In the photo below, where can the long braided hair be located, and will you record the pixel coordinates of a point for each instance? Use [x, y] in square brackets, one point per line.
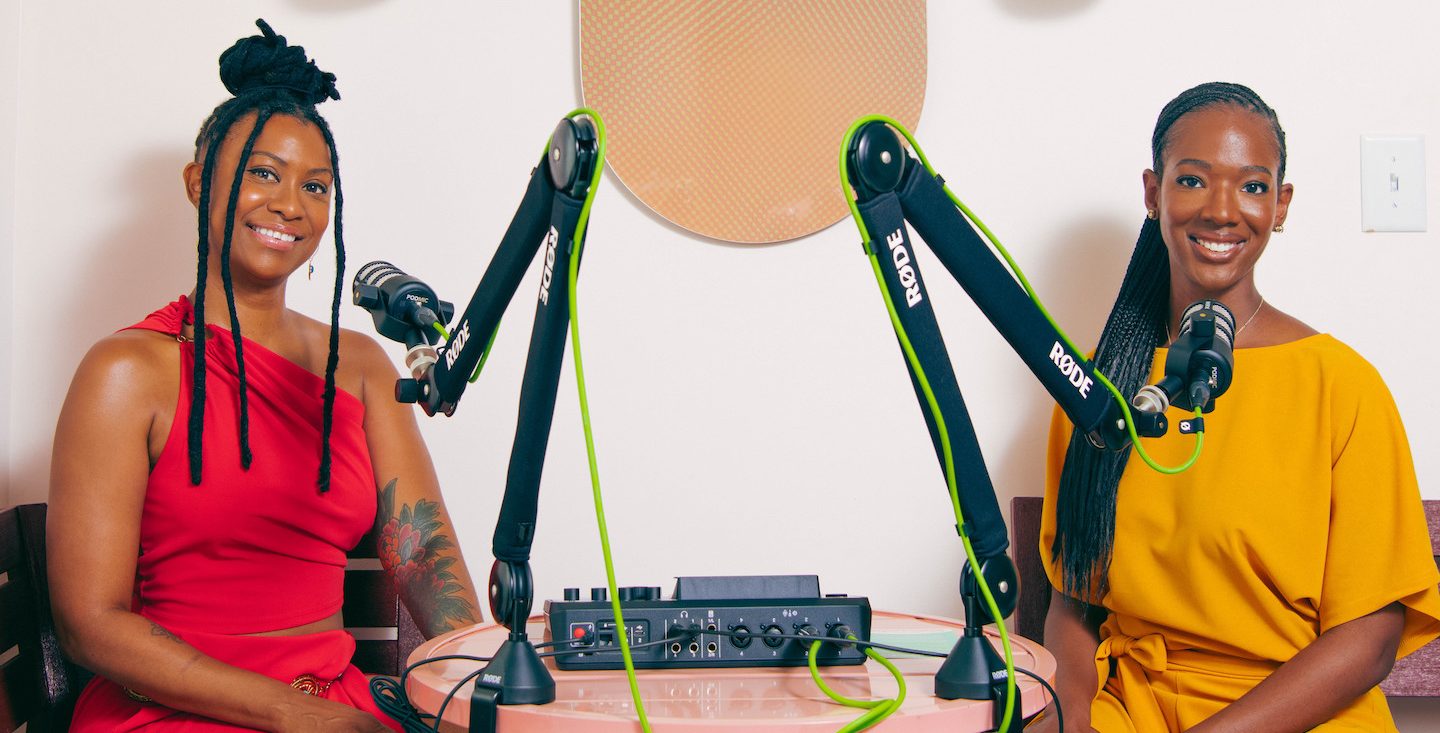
[1085, 510]
[268, 77]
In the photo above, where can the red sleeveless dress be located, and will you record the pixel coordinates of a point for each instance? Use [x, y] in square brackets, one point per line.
[248, 551]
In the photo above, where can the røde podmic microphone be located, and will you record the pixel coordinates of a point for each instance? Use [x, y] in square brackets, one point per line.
[400, 304]
[1200, 364]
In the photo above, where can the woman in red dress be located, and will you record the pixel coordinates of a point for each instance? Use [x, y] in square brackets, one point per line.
[207, 485]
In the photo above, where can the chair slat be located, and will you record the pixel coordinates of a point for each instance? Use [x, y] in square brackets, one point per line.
[366, 547]
[370, 599]
[1034, 585]
[378, 656]
[15, 623]
[9, 541]
[1432, 517]
[19, 697]
[1418, 674]
[409, 634]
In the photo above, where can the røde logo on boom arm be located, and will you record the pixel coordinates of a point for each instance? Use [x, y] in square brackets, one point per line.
[1072, 369]
[552, 238]
[452, 349]
[908, 278]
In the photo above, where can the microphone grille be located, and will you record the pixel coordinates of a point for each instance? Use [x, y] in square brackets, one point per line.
[376, 273]
[1224, 319]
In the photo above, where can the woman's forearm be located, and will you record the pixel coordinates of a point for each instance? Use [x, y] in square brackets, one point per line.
[144, 657]
[1316, 684]
[1072, 637]
[422, 556]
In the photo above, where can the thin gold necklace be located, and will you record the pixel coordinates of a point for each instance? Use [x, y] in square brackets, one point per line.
[1237, 331]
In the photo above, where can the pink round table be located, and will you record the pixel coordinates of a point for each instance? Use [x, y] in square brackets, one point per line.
[754, 698]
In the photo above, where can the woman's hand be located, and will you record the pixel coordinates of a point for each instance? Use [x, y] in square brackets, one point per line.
[1345, 661]
[1048, 723]
[315, 715]
[1072, 636]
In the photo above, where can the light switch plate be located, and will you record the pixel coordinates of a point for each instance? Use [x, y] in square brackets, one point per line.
[1392, 183]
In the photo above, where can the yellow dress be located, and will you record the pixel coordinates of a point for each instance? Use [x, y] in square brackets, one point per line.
[1301, 514]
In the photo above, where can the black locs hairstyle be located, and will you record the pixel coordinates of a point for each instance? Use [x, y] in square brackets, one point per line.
[1085, 510]
[268, 77]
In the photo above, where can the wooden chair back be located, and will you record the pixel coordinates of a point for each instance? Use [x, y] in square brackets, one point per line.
[38, 686]
[384, 632]
[1029, 618]
[1418, 674]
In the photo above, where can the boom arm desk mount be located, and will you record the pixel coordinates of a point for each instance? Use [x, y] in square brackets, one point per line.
[553, 214]
[892, 188]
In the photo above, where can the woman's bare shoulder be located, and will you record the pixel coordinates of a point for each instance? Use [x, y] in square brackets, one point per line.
[366, 351]
[362, 359]
[372, 366]
[133, 359]
[126, 384]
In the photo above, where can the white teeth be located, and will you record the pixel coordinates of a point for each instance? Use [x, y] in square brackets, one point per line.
[271, 233]
[1218, 247]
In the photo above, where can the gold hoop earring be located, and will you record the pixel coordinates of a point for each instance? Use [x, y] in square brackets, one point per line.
[1151, 214]
[1278, 228]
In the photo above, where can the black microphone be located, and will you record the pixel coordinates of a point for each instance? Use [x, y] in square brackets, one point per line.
[400, 304]
[1200, 364]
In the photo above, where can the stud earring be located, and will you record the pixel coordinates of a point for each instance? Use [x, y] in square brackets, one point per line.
[1278, 228]
[1151, 214]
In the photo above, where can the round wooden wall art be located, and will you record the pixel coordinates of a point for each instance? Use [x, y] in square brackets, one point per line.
[725, 116]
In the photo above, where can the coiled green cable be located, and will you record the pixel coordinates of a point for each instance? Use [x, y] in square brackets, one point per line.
[876, 710]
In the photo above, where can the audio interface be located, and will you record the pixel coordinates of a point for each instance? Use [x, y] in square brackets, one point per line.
[736, 621]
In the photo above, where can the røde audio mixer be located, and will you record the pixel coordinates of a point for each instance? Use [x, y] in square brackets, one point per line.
[735, 621]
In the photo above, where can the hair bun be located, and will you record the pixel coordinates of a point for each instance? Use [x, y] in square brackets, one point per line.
[268, 62]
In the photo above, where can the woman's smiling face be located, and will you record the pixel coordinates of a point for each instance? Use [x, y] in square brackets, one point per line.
[284, 204]
[1217, 198]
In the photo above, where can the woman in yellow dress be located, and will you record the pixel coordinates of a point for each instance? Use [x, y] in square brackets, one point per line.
[1271, 586]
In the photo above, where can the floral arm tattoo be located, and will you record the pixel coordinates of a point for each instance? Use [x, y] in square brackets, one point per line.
[413, 548]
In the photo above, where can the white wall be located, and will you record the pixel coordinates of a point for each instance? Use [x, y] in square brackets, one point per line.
[728, 384]
[9, 114]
